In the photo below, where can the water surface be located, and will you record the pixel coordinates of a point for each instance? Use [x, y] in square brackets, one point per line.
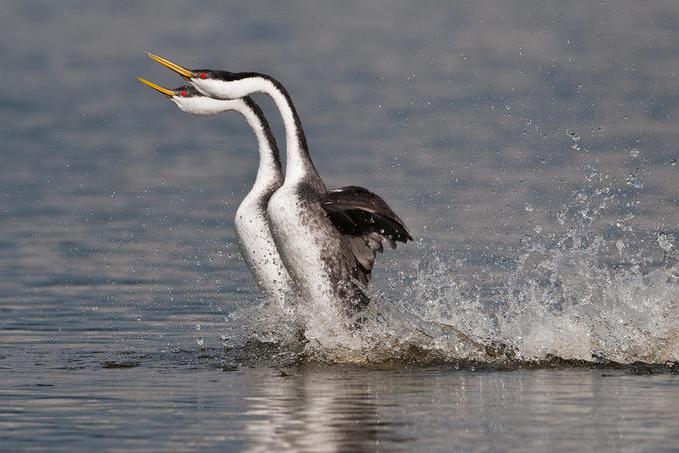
[530, 147]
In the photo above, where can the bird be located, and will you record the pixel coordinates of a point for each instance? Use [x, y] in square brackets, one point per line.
[328, 239]
[252, 226]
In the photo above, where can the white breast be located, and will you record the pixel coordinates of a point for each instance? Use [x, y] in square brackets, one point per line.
[300, 240]
[259, 251]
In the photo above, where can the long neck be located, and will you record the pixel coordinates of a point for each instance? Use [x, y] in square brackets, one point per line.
[269, 174]
[299, 167]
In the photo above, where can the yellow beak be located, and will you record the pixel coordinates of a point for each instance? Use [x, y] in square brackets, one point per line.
[165, 91]
[187, 74]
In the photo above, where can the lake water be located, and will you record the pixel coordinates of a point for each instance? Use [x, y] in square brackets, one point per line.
[531, 147]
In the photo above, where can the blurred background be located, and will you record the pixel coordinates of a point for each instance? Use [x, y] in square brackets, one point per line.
[482, 123]
[530, 146]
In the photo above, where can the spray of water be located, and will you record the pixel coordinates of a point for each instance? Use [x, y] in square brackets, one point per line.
[599, 292]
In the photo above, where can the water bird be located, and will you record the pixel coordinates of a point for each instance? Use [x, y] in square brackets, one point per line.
[328, 239]
[252, 225]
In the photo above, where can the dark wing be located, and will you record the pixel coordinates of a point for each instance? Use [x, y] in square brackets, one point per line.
[368, 222]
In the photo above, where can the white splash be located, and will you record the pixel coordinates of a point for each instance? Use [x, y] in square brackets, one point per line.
[582, 295]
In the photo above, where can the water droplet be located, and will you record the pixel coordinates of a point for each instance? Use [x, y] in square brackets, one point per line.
[634, 182]
[561, 215]
[665, 241]
[620, 245]
[576, 138]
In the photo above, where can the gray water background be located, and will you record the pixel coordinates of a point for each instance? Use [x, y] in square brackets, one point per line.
[477, 121]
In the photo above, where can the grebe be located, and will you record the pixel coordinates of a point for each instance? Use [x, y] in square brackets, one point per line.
[328, 239]
[252, 225]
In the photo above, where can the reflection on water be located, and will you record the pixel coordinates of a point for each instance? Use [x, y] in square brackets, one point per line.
[315, 410]
[529, 145]
[180, 401]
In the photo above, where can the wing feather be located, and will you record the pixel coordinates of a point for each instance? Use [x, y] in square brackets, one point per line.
[368, 222]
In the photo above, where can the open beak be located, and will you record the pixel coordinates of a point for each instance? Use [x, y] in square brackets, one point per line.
[187, 74]
[158, 88]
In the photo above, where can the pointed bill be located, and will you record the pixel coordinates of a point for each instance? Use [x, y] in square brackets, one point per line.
[187, 74]
[163, 90]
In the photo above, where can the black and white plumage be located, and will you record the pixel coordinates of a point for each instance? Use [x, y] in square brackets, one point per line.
[328, 239]
[252, 225]
[369, 223]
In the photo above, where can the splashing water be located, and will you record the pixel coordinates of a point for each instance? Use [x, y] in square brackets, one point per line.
[599, 292]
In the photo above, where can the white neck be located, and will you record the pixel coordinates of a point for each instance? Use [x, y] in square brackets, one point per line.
[299, 167]
[269, 175]
[297, 158]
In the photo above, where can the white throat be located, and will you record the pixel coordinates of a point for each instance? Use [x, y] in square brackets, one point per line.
[298, 164]
[269, 170]
[269, 174]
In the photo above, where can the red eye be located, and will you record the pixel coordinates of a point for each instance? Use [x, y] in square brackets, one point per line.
[203, 75]
[182, 93]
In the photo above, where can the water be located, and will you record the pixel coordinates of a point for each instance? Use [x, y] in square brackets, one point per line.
[530, 147]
